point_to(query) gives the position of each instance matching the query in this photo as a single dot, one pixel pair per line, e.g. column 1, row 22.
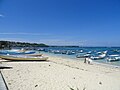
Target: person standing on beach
column 85, row 60
column 89, row 61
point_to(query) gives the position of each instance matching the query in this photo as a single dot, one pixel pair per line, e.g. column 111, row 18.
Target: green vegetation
column 9, row 44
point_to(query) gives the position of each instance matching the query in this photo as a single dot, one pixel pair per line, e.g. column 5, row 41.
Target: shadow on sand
column 26, row 61
column 5, row 67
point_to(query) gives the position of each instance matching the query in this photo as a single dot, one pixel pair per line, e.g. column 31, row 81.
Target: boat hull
column 24, row 59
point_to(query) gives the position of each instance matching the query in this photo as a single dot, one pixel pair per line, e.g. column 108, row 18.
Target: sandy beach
column 61, row 74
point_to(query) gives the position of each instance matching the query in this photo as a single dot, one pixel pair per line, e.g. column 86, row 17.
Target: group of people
column 87, row 60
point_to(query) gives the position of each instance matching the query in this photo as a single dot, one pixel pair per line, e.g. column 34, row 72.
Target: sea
column 110, row 51
column 94, row 50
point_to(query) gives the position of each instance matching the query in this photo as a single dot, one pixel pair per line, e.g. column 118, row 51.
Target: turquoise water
column 111, row 51
column 94, row 50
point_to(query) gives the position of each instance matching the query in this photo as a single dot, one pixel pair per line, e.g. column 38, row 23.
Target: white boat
column 23, row 58
column 102, row 56
column 16, row 51
column 112, row 58
column 89, row 52
column 57, row 52
column 63, row 51
column 69, row 52
column 82, row 55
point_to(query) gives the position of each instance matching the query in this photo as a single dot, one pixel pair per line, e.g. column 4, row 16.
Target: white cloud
column 1, row 15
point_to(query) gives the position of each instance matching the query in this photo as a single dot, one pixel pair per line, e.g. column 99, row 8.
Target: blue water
column 10, row 52
column 111, row 51
column 94, row 50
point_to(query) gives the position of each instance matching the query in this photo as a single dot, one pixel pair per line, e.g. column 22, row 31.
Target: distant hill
column 9, row 44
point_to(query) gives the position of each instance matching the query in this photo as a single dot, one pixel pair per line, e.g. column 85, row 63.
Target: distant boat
column 16, row 51
column 89, row 52
column 101, row 56
column 23, row 58
column 57, row 52
column 69, row 52
column 112, row 58
column 80, row 51
column 82, row 55
column 63, row 51
column 35, row 55
column 41, row 49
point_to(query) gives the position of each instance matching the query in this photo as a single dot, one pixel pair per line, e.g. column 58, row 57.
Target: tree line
column 9, row 44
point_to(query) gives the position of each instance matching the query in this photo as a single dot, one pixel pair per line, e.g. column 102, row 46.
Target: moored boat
column 23, row 58
column 112, row 58
column 57, row 52
column 101, row 55
column 98, row 57
column 34, row 55
column 16, row 52
column 82, row 55
column 70, row 52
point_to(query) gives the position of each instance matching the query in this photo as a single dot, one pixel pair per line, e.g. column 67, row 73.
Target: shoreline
column 61, row 74
column 82, row 59
column 66, row 60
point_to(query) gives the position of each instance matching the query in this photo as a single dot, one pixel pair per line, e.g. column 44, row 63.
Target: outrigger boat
column 112, row 58
column 70, row 52
column 16, row 52
column 98, row 57
column 23, row 58
column 82, row 55
column 34, row 55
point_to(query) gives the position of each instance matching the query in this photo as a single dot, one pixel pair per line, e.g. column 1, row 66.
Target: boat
column 82, row 55
column 69, row 52
column 89, row 52
column 102, row 56
column 112, row 58
column 29, row 52
column 41, row 49
column 34, row 55
column 57, row 52
column 80, row 51
column 63, row 52
column 16, row 52
column 23, row 58
column 98, row 57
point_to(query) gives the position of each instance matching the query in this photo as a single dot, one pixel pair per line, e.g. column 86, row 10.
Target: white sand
column 61, row 74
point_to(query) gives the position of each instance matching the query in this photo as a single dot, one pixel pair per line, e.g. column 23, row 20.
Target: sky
column 61, row 22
